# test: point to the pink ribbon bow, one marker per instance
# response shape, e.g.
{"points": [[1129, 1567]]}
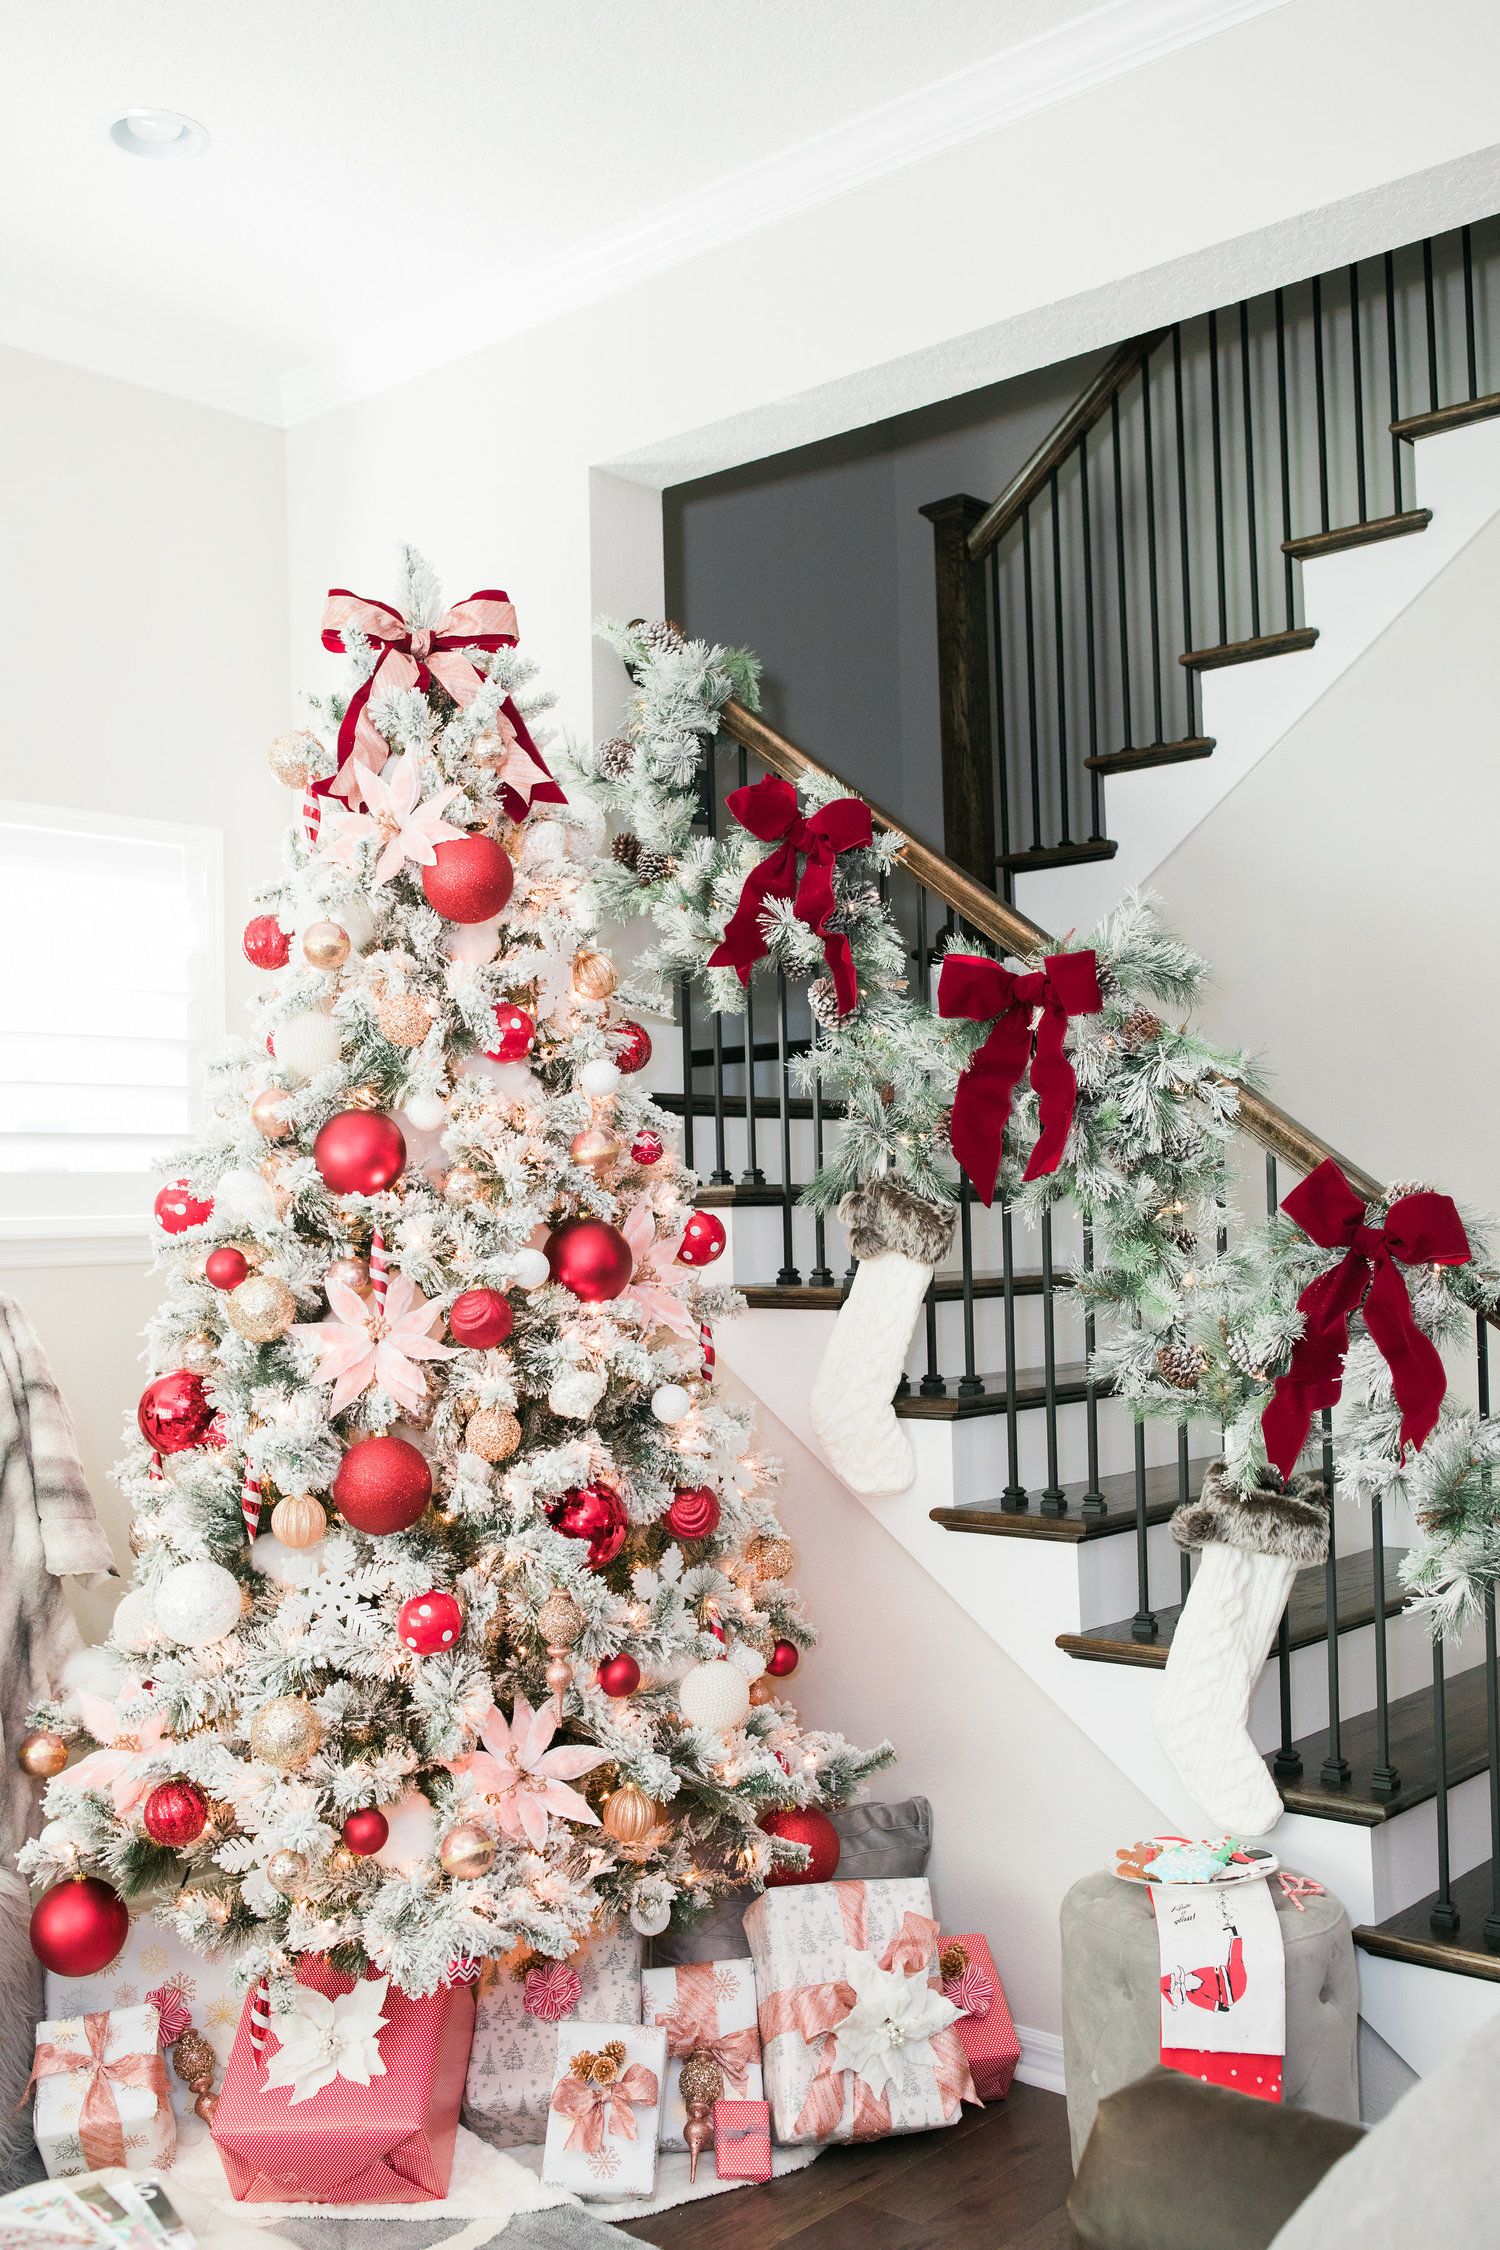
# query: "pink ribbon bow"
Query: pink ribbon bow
{"points": [[768, 808], [597, 2110], [100, 2130], [692, 2027], [981, 991], [972, 1991]]}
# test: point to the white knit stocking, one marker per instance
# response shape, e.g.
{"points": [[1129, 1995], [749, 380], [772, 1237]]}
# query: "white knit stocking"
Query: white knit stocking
{"points": [[1222, 1640], [852, 1415]]}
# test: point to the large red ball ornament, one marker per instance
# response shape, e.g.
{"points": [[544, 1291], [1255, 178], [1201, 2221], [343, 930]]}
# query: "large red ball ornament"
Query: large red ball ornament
{"points": [[470, 880], [591, 1258], [266, 943], [359, 1152], [383, 1485], [594, 1512], [480, 1318], [694, 1513], [429, 1623], [630, 1046], [365, 1831], [803, 1825], [174, 1413], [619, 1675], [79, 1926], [515, 1034], [226, 1267], [175, 1814], [703, 1240], [177, 1208], [783, 1660]]}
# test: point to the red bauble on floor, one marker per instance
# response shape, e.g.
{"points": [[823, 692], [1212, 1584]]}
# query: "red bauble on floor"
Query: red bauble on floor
{"points": [[175, 1814], [515, 1034], [174, 1413], [79, 1927], [266, 943], [594, 1512], [619, 1675], [470, 880], [359, 1152], [694, 1513], [480, 1318], [783, 1660], [226, 1267], [177, 1208], [703, 1240], [591, 1258], [804, 1825], [429, 1623], [630, 1046], [365, 1831], [383, 1485]]}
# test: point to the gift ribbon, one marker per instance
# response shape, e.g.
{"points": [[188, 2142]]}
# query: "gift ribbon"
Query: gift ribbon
{"points": [[692, 2027], [100, 2132], [1422, 1229], [815, 2011], [597, 2110], [978, 990], [173, 2015], [409, 657], [768, 808], [972, 1991]]}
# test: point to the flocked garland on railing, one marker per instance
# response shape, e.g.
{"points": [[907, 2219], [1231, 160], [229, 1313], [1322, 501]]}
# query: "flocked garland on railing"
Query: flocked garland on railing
{"points": [[1187, 1330]]}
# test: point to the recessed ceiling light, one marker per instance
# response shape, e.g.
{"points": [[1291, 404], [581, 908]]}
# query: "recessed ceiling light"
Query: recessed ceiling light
{"points": [[159, 133]]}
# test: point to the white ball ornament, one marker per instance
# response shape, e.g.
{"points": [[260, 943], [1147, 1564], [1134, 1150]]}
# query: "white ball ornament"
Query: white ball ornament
{"points": [[197, 1603], [306, 1044], [134, 1625], [475, 942], [97, 1671], [357, 918], [600, 1076], [285, 1566], [413, 1834], [670, 1403], [428, 1112], [244, 1196], [529, 1269], [715, 1696], [650, 1916], [586, 825]]}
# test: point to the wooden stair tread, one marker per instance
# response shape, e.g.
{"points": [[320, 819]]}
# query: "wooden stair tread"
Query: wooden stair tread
{"points": [[1251, 651], [1112, 1644], [1366, 534], [1442, 418], [1069, 1385], [722, 1197], [1133, 760], [1410, 1936], [1057, 855], [1412, 1754], [799, 1106], [993, 1519], [948, 1289]]}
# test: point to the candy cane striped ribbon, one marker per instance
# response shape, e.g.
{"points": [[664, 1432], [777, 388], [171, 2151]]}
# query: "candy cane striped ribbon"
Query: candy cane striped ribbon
{"points": [[706, 1339], [250, 1499], [260, 2019], [464, 1969], [312, 818], [379, 1269]]}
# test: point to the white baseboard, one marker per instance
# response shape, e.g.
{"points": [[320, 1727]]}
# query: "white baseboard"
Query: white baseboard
{"points": [[104, 1238], [1041, 2061]]}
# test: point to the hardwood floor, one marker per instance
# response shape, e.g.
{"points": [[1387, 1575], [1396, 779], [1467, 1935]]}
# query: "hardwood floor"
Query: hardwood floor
{"points": [[996, 2181]]}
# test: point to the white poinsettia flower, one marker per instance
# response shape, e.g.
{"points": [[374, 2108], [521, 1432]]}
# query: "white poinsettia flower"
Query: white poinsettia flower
{"points": [[321, 2039], [360, 1345], [407, 830], [525, 1780], [893, 2018]]}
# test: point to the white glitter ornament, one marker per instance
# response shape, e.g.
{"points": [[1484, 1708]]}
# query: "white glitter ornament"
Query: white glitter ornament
{"points": [[285, 1566], [413, 1833], [428, 1112], [670, 1403], [529, 1269], [134, 1625], [475, 942], [576, 1393], [307, 1044], [357, 919], [715, 1696], [96, 1670], [600, 1076], [198, 1602], [244, 1196]]}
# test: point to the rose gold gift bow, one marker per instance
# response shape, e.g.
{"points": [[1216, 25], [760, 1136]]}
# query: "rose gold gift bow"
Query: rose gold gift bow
{"points": [[815, 2011], [692, 2027], [597, 2110], [100, 2131]]}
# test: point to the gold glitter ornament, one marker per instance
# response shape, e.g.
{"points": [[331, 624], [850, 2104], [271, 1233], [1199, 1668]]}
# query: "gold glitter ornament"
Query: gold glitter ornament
{"points": [[594, 975], [286, 1733], [702, 2084], [771, 1556], [763, 1691], [262, 1308], [466, 1852], [193, 2057], [299, 1520], [268, 1114], [559, 1620], [493, 1433], [42, 1754], [593, 1148], [287, 1872], [325, 945], [404, 1019], [629, 1815], [294, 756]]}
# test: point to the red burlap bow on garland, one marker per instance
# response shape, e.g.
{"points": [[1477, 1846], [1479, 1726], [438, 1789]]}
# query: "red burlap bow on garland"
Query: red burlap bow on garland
{"points": [[1423, 1229], [981, 991], [768, 808]]}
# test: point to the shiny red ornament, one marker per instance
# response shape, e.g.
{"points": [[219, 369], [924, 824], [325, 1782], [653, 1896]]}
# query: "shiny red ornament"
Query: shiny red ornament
{"points": [[266, 943], [803, 1824], [703, 1240], [383, 1485], [630, 1046], [174, 1413], [359, 1152], [429, 1623], [515, 1034], [470, 880], [226, 1267], [175, 1814], [694, 1513], [177, 1208], [594, 1512], [783, 1660], [591, 1258], [647, 1147], [365, 1831], [712, 1626], [79, 1927], [480, 1318], [619, 1675]]}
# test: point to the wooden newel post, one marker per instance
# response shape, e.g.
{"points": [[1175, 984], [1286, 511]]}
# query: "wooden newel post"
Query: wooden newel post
{"points": [[964, 689]]}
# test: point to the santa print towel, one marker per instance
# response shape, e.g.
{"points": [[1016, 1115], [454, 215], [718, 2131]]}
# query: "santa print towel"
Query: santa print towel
{"points": [[1223, 1984], [704, 2006]]}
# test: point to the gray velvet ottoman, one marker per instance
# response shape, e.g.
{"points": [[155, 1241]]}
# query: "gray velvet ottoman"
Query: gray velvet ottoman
{"points": [[1112, 2000]]}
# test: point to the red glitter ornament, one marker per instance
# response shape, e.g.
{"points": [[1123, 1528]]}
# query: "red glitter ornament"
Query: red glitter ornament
{"points": [[647, 1147], [515, 1034], [359, 1152], [703, 1240], [266, 943], [226, 1267], [177, 1208], [480, 1318], [594, 1512], [365, 1831], [79, 1926], [591, 1258], [630, 1046], [803, 1824], [383, 1485], [174, 1413], [470, 880], [619, 1675], [694, 1513], [783, 1660], [429, 1623], [175, 1814]]}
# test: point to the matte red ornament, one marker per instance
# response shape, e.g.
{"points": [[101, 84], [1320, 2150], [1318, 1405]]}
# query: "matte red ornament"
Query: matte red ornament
{"points": [[226, 1267], [177, 1208], [783, 1660], [365, 1831], [470, 880], [174, 1413], [594, 1512], [175, 1814], [480, 1318], [359, 1152], [703, 1240], [647, 1147], [619, 1675], [429, 1623], [383, 1485], [630, 1046], [266, 943], [515, 1034], [694, 1513], [79, 1926], [803, 1824], [591, 1258]]}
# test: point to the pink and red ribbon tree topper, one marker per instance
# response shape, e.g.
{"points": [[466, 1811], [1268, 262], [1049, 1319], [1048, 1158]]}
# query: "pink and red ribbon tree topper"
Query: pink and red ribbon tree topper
{"points": [[799, 871], [1029, 1012]]}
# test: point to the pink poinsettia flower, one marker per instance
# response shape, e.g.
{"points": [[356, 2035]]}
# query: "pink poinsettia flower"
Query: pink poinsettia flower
{"points": [[123, 1765], [360, 1345], [527, 1781], [653, 1287], [408, 830]]}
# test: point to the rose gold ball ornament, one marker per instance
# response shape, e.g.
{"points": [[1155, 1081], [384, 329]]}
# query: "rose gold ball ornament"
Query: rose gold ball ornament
{"points": [[770, 1556], [593, 1148], [560, 1622], [286, 1733], [287, 1872], [702, 2084], [466, 1852], [325, 945], [629, 1815], [293, 756], [262, 1308], [42, 1754], [493, 1433], [763, 1690], [404, 1019], [594, 975], [352, 1272], [268, 1114], [193, 2059], [199, 1353], [299, 1520]]}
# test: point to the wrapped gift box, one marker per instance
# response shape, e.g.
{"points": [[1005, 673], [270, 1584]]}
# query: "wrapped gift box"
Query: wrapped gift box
{"points": [[704, 2006], [390, 2141], [839, 1967], [185, 1987], [742, 2140], [514, 2058], [101, 2094], [605, 2109], [985, 2028]]}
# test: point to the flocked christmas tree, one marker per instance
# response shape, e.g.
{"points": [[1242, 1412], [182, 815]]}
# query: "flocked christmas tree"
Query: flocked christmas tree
{"points": [[461, 1610]]}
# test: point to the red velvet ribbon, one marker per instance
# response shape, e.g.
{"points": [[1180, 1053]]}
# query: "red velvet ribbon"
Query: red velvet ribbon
{"points": [[768, 808], [1420, 1229], [981, 991]]}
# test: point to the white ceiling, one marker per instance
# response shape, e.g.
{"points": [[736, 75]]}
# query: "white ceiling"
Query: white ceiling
{"points": [[392, 182]]}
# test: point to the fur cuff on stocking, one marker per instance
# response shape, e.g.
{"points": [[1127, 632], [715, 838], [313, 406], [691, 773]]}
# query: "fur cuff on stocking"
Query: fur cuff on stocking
{"points": [[883, 1216], [1289, 1521]]}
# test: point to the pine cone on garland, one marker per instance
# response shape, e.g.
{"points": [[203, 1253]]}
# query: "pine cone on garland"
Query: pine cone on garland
{"points": [[1180, 1365], [654, 866], [824, 1002], [616, 758], [1244, 1359], [626, 849], [656, 636], [1140, 1028]]}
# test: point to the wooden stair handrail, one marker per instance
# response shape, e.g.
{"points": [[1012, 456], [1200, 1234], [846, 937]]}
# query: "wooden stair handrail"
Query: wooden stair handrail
{"points": [[1273, 1127]]}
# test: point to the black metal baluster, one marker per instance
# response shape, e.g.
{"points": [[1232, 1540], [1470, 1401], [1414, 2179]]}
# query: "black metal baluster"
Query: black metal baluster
{"points": [[752, 1176], [1444, 1918], [1065, 816], [1031, 703], [1392, 377], [1321, 401], [997, 654], [1184, 1495], [685, 993], [1471, 355], [1143, 1626], [1096, 784], [970, 1384], [1153, 594], [1094, 1502], [1288, 567], [1053, 1502], [1429, 302], [1216, 432], [821, 1276], [1124, 604], [1335, 1770], [1016, 1494], [1247, 408], [720, 1175], [1357, 377], [789, 1277], [1190, 691]]}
